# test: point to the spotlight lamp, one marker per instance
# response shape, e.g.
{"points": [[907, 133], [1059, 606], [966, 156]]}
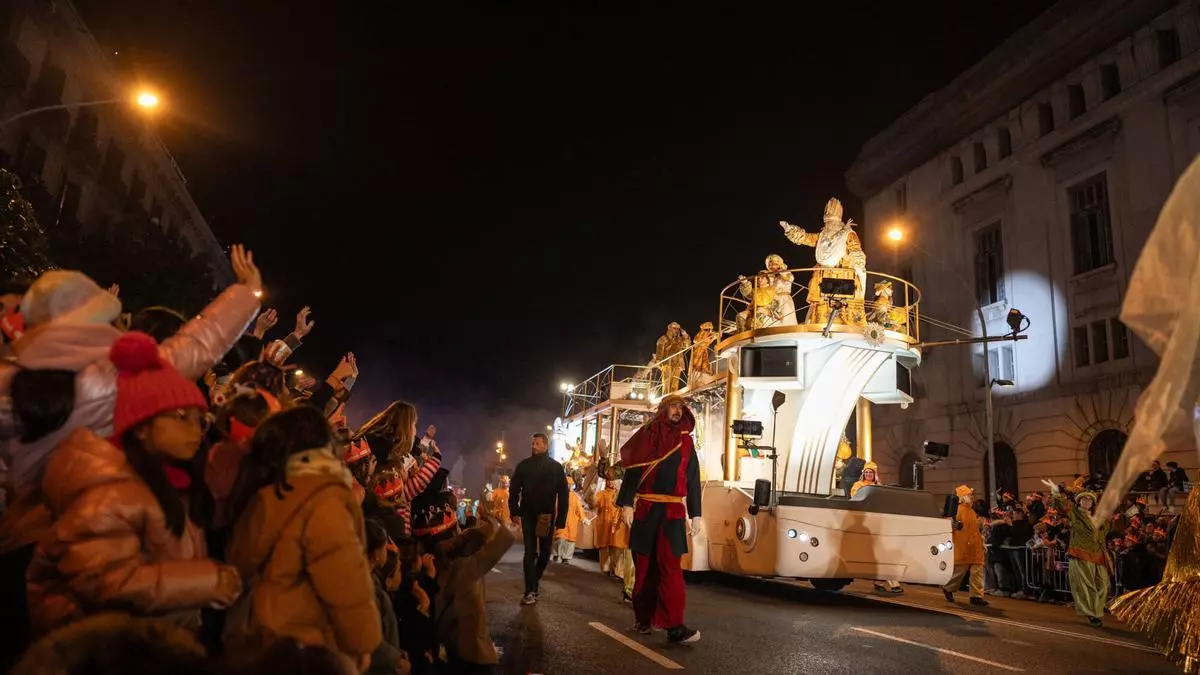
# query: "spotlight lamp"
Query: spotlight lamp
{"points": [[1018, 322]]}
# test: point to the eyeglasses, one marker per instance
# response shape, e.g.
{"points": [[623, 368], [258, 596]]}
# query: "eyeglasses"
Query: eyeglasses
{"points": [[196, 416]]}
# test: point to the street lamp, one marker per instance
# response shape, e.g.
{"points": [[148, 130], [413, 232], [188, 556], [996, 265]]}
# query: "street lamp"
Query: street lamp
{"points": [[566, 387], [145, 100]]}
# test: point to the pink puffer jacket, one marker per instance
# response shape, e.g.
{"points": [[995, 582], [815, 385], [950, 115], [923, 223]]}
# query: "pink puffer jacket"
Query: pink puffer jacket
{"points": [[199, 345]]}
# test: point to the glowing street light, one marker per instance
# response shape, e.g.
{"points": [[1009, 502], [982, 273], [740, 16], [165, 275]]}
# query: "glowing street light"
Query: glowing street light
{"points": [[566, 387], [143, 99], [147, 100], [895, 234]]}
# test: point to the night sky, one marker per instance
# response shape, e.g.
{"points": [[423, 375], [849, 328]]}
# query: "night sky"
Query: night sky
{"points": [[483, 203]]}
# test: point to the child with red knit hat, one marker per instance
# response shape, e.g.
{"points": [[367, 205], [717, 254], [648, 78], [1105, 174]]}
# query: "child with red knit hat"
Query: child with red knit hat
{"points": [[128, 510]]}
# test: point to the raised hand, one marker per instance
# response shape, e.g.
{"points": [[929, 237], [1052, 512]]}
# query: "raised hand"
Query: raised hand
{"points": [[265, 322], [1050, 484], [115, 290], [346, 368], [303, 325], [245, 270]]}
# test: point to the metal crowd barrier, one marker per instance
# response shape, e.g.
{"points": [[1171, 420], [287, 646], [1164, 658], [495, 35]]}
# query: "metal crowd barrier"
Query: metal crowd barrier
{"points": [[1044, 572]]}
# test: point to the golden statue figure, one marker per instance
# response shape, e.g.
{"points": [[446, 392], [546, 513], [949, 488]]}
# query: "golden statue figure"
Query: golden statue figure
{"points": [[840, 256], [884, 312], [671, 344], [701, 365], [770, 295]]}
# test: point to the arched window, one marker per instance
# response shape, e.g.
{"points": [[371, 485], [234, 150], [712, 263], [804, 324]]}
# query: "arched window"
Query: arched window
{"points": [[908, 463], [1105, 450], [1006, 468]]}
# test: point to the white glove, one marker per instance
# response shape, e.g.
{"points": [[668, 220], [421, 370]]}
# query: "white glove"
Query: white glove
{"points": [[1051, 484], [627, 515], [694, 527]]}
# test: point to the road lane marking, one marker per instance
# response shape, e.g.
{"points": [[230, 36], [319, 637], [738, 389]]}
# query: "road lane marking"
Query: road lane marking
{"points": [[1015, 624], [940, 650], [637, 647]]}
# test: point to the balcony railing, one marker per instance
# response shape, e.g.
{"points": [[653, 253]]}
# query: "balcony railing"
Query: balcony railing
{"points": [[786, 301]]}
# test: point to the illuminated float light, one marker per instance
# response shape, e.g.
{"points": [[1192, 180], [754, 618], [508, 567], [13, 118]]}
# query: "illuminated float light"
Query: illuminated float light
{"points": [[949, 546], [803, 536], [791, 534], [941, 548]]}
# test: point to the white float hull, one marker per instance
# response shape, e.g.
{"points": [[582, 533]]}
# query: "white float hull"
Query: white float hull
{"points": [[830, 543]]}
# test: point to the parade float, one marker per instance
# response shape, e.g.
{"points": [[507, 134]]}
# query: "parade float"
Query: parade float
{"points": [[773, 383]]}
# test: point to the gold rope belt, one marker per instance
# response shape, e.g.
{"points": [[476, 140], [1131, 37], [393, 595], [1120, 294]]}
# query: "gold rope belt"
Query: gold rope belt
{"points": [[659, 499]]}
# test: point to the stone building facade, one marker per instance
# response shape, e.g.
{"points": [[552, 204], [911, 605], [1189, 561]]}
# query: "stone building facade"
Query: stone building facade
{"points": [[1032, 181], [86, 167]]}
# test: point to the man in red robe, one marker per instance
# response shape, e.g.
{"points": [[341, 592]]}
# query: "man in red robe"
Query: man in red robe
{"points": [[660, 491]]}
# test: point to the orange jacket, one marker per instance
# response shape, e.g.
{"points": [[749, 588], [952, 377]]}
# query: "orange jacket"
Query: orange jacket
{"points": [[109, 546], [574, 518], [968, 542], [316, 584]]}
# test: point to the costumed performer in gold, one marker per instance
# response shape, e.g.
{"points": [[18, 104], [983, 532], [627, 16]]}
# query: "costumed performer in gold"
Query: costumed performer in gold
{"points": [[498, 500], [771, 295], [1162, 306], [607, 513], [837, 248], [1087, 572], [565, 538], [870, 476], [671, 344], [701, 365], [967, 537]]}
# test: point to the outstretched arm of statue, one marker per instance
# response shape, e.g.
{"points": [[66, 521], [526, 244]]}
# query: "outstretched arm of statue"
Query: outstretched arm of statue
{"points": [[798, 236], [745, 287]]}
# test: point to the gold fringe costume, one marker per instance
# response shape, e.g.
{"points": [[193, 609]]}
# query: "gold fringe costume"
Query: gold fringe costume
{"points": [[1169, 612]]}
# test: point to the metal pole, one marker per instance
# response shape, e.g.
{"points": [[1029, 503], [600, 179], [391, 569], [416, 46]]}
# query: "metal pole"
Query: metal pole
{"points": [[987, 382], [58, 106]]}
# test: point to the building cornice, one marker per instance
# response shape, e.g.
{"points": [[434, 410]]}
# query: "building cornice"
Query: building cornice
{"points": [[1064, 36], [1106, 129]]}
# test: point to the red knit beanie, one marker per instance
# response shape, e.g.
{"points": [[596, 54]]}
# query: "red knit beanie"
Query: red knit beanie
{"points": [[147, 385]]}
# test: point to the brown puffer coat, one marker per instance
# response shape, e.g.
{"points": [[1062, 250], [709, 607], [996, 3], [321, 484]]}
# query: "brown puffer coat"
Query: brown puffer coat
{"points": [[315, 584], [109, 546]]}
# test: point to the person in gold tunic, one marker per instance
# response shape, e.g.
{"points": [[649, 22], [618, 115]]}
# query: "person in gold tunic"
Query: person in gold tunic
{"points": [[671, 344], [840, 252], [870, 476], [701, 365], [967, 538], [564, 539], [498, 500], [618, 549], [605, 503]]}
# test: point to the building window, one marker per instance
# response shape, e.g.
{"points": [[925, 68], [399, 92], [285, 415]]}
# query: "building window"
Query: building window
{"points": [[1120, 339], [49, 87], [1168, 47], [137, 189], [911, 471], [989, 265], [1006, 468], [1076, 104], [1000, 363], [1045, 118], [1091, 229], [901, 199], [70, 204], [1083, 356], [980, 157], [1003, 142], [114, 162], [1099, 341], [31, 159], [956, 171], [1105, 451], [1110, 81]]}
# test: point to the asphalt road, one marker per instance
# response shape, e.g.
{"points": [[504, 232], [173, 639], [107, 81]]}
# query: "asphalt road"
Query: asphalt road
{"points": [[750, 626]]}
